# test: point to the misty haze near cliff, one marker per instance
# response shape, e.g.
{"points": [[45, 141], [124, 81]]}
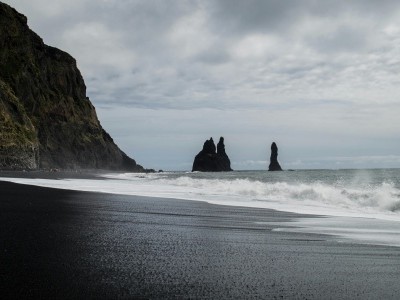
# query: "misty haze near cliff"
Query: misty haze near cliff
{"points": [[321, 79]]}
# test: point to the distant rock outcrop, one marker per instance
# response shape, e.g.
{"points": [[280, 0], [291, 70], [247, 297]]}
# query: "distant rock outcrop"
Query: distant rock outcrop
{"points": [[274, 164], [210, 161], [46, 119]]}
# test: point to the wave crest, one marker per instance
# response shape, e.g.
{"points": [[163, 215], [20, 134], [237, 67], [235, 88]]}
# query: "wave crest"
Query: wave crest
{"points": [[383, 197]]}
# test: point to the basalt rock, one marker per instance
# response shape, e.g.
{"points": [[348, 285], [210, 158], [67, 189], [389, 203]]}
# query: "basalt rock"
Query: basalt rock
{"points": [[208, 160], [46, 119], [274, 164]]}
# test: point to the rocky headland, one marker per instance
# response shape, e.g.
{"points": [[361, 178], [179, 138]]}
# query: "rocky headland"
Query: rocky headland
{"points": [[211, 158], [46, 119], [274, 164]]}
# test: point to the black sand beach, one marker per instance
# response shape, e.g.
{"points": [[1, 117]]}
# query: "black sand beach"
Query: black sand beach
{"points": [[64, 244]]}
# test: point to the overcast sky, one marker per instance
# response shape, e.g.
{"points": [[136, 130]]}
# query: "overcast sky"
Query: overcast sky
{"points": [[320, 78]]}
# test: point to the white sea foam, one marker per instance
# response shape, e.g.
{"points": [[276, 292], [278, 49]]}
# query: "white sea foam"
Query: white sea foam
{"points": [[358, 195], [362, 230], [381, 201]]}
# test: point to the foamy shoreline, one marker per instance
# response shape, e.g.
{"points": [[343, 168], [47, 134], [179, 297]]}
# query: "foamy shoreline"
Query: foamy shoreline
{"points": [[371, 228]]}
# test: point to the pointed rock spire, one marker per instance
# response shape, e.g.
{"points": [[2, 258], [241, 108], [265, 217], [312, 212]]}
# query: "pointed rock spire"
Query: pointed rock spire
{"points": [[274, 164]]}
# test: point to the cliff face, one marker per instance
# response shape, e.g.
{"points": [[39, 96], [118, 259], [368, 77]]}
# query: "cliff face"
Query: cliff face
{"points": [[46, 120], [207, 160]]}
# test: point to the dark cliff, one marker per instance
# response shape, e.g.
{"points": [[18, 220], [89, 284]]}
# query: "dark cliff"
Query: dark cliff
{"points": [[207, 160], [46, 119], [274, 164]]}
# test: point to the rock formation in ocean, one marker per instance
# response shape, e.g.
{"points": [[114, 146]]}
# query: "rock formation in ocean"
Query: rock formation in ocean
{"points": [[274, 164], [210, 161], [46, 119]]}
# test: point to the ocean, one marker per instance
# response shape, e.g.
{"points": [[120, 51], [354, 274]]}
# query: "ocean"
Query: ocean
{"points": [[356, 205]]}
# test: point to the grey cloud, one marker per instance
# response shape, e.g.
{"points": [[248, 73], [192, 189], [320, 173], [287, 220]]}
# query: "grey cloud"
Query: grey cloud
{"points": [[141, 33], [236, 16], [213, 56], [343, 39]]}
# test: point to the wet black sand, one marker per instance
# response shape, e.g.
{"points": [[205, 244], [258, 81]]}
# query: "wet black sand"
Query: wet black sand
{"points": [[59, 244]]}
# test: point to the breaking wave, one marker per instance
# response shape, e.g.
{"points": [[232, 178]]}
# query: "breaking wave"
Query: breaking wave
{"points": [[362, 205], [336, 198], [322, 193]]}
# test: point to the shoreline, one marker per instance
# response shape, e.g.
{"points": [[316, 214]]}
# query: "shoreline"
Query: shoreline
{"points": [[59, 174], [70, 244], [369, 230], [346, 229]]}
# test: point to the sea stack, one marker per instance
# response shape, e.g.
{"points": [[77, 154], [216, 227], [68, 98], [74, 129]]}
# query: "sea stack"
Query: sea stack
{"points": [[274, 164], [211, 158], [46, 119]]}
